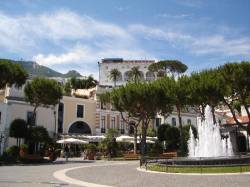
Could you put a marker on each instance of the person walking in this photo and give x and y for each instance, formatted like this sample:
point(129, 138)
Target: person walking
point(66, 152)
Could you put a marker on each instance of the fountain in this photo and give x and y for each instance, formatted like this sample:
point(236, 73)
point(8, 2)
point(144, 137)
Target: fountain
point(209, 142)
point(209, 148)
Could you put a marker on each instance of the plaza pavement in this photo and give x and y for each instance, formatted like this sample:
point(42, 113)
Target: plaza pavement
point(108, 173)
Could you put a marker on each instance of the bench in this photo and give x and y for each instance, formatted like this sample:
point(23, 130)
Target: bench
point(169, 155)
point(131, 156)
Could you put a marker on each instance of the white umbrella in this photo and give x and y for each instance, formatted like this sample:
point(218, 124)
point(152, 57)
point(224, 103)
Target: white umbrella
point(138, 141)
point(124, 138)
point(72, 141)
point(148, 138)
point(95, 138)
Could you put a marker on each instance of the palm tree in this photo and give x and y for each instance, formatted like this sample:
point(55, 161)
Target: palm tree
point(114, 74)
point(135, 74)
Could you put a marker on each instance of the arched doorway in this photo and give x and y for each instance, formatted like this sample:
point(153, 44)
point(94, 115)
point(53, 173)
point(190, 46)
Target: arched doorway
point(79, 127)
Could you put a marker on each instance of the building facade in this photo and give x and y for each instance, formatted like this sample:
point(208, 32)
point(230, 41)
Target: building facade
point(124, 66)
point(13, 106)
point(76, 116)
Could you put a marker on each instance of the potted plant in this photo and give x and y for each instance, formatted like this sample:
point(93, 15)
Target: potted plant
point(23, 150)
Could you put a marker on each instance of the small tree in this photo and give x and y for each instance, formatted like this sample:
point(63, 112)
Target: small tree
point(109, 143)
point(170, 135)
point(38, 134)
point(11, 73)
point(42, 92)
point(114, 75)
point(141, 101)
point(135, 74)
point(168, 66)
point(237, 81)
point(18, 129)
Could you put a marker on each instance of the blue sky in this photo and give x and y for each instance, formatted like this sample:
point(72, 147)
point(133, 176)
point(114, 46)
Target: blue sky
point(76, 34)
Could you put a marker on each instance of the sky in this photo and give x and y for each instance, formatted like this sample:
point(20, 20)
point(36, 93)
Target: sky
point(76, 34)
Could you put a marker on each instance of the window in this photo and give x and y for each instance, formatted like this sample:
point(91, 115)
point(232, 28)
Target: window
point(157, 122)
point(189, 121)
point(113, 122)
point(173, 121)
point(103, 124)
point(80, 110)
point(122, 127)
point(122, 124)
point(60, 118)
point(30, 119)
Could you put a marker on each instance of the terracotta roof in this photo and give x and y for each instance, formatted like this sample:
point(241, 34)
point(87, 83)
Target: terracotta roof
point(242, 119)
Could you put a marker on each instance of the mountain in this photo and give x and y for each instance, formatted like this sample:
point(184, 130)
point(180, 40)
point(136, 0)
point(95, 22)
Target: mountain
point(35, 70)
point(72, 73)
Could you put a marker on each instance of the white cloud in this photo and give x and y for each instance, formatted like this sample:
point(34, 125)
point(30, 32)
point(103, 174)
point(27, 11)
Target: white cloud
point(198, 45)
point(64, 37)
point(66, 40)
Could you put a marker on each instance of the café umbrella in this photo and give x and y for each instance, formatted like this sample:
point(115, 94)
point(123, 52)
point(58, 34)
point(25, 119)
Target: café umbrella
point(72, 141)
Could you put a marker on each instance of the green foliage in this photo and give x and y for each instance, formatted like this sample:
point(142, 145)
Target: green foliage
point(43, 92)
point(18, 128)
point(168, 66)
point(186, 129)
point(171, 136)
point(11, 74)
point(38, 134)
point(12, 153)
point(115, 75)
point(109, 143)
point(161, 132)
point(151, 132)
point(90, 82)
point(135, 74)
point(67, 89)
point(24, 147)
point(91, 147)
point(156, 148)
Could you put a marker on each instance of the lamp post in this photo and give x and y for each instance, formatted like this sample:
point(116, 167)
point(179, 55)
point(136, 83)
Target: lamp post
point(1, 140)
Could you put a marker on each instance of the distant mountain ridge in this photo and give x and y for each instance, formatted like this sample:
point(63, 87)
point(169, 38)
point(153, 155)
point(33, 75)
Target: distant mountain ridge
point(36, 70)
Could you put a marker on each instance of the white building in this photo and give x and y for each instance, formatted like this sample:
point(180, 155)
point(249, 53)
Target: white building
point(187, 118)
point(13, 106)
point(124, 66)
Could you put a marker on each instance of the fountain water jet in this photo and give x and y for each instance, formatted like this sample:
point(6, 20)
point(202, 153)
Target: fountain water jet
point(209, 142)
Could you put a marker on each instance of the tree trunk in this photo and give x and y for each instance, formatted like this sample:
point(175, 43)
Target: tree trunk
point(143, 138)
point(213, 113)
point(248, 114)
point(33, 116)
point(181, 133)
point(235, 118)
point(135, 139)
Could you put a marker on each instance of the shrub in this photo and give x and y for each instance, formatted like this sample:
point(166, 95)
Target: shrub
point(12, 153)
point(91, 147)
point(24, 147)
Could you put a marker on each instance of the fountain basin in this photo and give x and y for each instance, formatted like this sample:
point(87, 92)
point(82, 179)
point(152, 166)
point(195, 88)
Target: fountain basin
point(204, 161)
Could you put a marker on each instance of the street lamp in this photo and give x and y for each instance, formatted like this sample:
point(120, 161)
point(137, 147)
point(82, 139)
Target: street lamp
point(1, 140)
point(55, 121)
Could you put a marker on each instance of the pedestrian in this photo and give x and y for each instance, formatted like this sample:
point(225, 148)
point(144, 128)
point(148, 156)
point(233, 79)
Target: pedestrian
point(66, 152)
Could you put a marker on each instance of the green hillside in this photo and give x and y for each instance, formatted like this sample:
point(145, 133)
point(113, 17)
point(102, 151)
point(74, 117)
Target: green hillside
point(35, 70)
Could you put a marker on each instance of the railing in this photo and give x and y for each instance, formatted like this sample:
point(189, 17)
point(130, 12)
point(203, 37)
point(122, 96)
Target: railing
point(197, 165)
